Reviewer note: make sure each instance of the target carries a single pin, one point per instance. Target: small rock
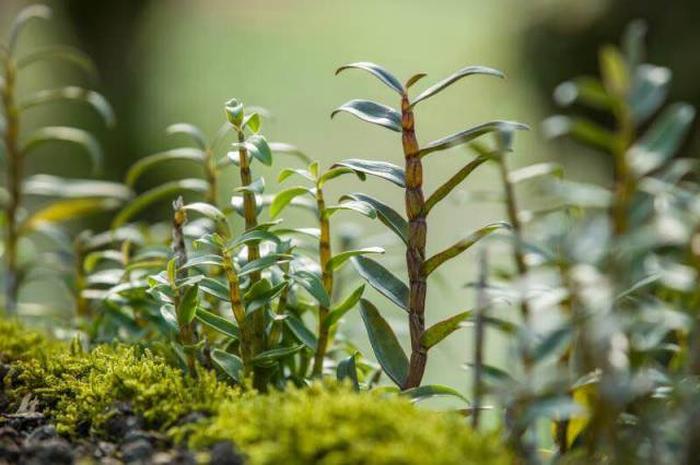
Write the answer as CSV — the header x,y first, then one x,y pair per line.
x,y
105,449
137,451
55,451
192,417
42,433
223,453
121,420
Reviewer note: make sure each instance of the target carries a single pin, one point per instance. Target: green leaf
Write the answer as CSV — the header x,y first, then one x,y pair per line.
x,y
206,210
339,310
448,81
65,134
64,210
492,374
438,259
613,70
164,191
287,172
214,288
229,364
650,86
261,294
470,134
440,330
253,122
217,323
254,235
285,197
384,342
359,206
347,369
187,309
313,284
189,130
25,15
387,215
339,260
203,260
90,97
586,90
281,147
256,187
580,129
372,112
432,390
300,331
442,191
662,140
60,52
534,171
271,355
54,186
234,112
258,148
265,262
382,74
381,169
144,164
413,79
382,280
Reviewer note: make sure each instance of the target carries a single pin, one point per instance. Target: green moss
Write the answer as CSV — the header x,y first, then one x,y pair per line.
x,y
81,389
333,425
18,343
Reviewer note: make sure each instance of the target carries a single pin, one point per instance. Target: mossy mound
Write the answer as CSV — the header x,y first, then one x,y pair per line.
x,y
326,423
330,424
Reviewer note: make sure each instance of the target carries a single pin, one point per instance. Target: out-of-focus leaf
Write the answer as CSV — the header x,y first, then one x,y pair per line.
x,y
203,260
493,375
581,194
428,391
64,210
387,215
63,53
551,342
662,139
440,330
339,260
337,312
190,130
228,363
633,43
285,197
381,169
534,171
144,164
218,323
54,186
580,129
614,71
384,342
165,191
65,134
442,191
288,149
92,98
187,309
272,355
358,206
207,210
300,331
27,14
649,90
382,280
382,74
313,284
372,112
470,134
448,81
586,90
347,369
438,259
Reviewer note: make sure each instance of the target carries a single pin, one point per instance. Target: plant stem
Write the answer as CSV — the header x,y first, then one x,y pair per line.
x,y
479,339
324,253
210,173
415,253
238,311
14,185
81,304
624,183
187,331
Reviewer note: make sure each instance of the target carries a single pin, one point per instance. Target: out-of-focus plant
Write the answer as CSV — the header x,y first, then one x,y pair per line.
x,y
413,230
76,197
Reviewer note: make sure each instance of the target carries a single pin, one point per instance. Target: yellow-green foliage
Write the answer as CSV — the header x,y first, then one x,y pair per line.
x,y
332,425
18,343
81,389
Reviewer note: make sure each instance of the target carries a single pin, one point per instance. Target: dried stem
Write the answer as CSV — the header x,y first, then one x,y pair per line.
x,y
324,252
415,253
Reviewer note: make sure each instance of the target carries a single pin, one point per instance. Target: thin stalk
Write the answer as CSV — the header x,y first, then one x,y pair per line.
x,y
187,331
415,253
624,182
238,311
211,176
14,185
82,308
479,340
324,253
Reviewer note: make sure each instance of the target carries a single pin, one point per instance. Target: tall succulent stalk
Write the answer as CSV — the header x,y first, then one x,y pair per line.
x,y
413,230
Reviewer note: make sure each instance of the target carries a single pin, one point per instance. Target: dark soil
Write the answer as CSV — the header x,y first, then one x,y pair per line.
x,y
27,437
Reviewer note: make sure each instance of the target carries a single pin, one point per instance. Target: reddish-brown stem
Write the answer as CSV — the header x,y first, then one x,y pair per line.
x,y
415,253
324,253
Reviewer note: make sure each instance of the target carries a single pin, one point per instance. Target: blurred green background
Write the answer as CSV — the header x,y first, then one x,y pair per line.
x,y
166,61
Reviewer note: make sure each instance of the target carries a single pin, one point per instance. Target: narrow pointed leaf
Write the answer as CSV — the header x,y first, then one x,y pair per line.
x,y
436,260
287,172
432,390
190,130
63,53
448,81
54,186
261,296
218,323
347,369
470,134
372,112
382,74
381,169
339,260
442,191
254,235
25,15
387,215
187,309
336,172
285,197
65,134
382,280
581,129
585,90
214,288
301,332
207,210
289,149
64,210
650,88
413,79
257,147
271,355
144,164
203,260
662,140
265,262
358,206
440,330
229,364
384,343
313,285
90,97
347,304
165,191
537,170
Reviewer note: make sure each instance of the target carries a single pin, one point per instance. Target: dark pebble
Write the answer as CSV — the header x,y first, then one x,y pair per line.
x,y
223,453
42,433
137,451
54,451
